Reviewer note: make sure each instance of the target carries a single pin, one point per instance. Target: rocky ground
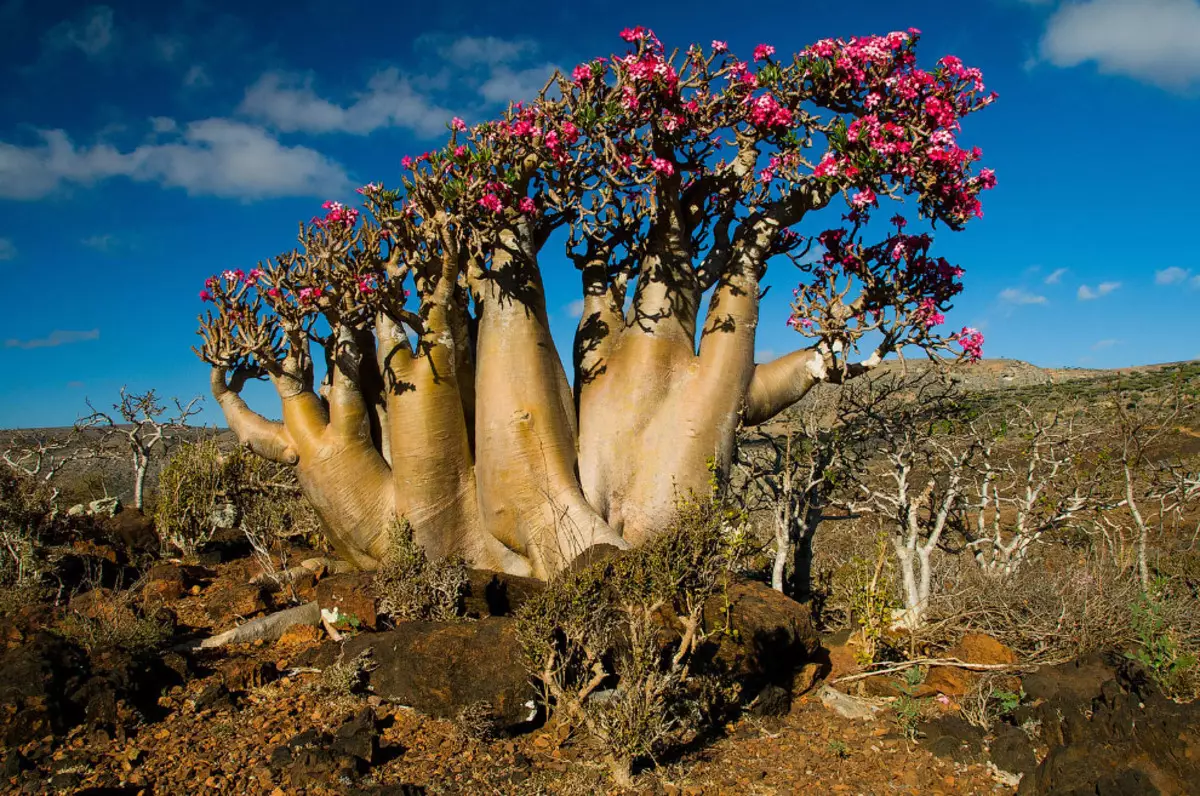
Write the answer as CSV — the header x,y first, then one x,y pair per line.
x,y
81,715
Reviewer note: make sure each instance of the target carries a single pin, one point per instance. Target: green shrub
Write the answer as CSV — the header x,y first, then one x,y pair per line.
x,y
189,489
613,644
410,586
201,480
26,515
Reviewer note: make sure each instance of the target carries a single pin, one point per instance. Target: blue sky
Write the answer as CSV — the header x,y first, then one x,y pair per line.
x,y
144,146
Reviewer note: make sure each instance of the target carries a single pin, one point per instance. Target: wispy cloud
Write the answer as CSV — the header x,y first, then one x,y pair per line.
x,y
468,51
1154,41
8,249
1016,295
101,243
92,32
1055,276
196,77
213,157
1087,293
1100,345
574,309
288,103
55,338
1171,276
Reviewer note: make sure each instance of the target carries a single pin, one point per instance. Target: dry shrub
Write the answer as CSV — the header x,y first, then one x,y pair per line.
x,y
346,678
190,488
411,587
597,639
120,625
27,515
478,722
201,480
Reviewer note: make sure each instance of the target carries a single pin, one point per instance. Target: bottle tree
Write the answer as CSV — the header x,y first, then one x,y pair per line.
x,y
666,177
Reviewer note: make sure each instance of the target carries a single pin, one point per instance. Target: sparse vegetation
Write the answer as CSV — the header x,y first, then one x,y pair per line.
x,y
410,586
613,645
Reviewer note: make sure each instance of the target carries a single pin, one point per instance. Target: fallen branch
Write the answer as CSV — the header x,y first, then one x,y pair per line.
x,y
892,668
266,628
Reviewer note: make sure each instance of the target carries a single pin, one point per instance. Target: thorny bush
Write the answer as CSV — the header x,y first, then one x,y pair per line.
x,y
613,645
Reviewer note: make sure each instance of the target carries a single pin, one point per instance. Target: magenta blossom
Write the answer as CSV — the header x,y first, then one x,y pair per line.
x,y
719,46
662,166
763,51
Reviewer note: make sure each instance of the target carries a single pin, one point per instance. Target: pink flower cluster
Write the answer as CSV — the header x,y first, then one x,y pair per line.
x,y
308,295
337,216
927,313
971,341
763,51
765,111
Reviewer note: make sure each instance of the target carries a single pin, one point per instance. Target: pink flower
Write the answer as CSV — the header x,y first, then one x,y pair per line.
x,y
205,295
368,188
233,276
662,166
634,34
763,51
491,202
971,341
719,46
943,699
581,74
458,124
526,205
406,162
863,198
273,292
460,150
309,294
254,276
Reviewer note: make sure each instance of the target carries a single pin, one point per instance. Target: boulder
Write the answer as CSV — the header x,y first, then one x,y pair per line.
x,y
971,648
1125,738
439,668
226,606
497,594
133,531
769,635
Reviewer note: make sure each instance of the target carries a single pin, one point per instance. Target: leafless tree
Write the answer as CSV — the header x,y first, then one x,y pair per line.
x,y
143,425
1022,492
790,477
919,474
1155,488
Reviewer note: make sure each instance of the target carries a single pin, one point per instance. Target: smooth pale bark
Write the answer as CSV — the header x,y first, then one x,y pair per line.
x,y
529,495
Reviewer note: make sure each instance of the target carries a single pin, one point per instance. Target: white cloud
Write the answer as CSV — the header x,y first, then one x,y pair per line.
x,y
469,51
506,85
1171,276
1150,40
574,309
1016,295
1100,345
92,32
289,103
215,157
55,338
163,124
8,249
1054,277
1086,293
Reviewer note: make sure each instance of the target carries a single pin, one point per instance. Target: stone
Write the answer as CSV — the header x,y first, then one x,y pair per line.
x,y
952,738
352,595
439,668
235,602
771,635
1011,750
497,594
972,648
300,635
242,674
133,531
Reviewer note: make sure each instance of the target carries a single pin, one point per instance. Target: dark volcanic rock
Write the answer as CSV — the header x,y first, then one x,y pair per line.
x,y
497,594
36,680
770,635
1125,738
952,738
353,596
441,667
